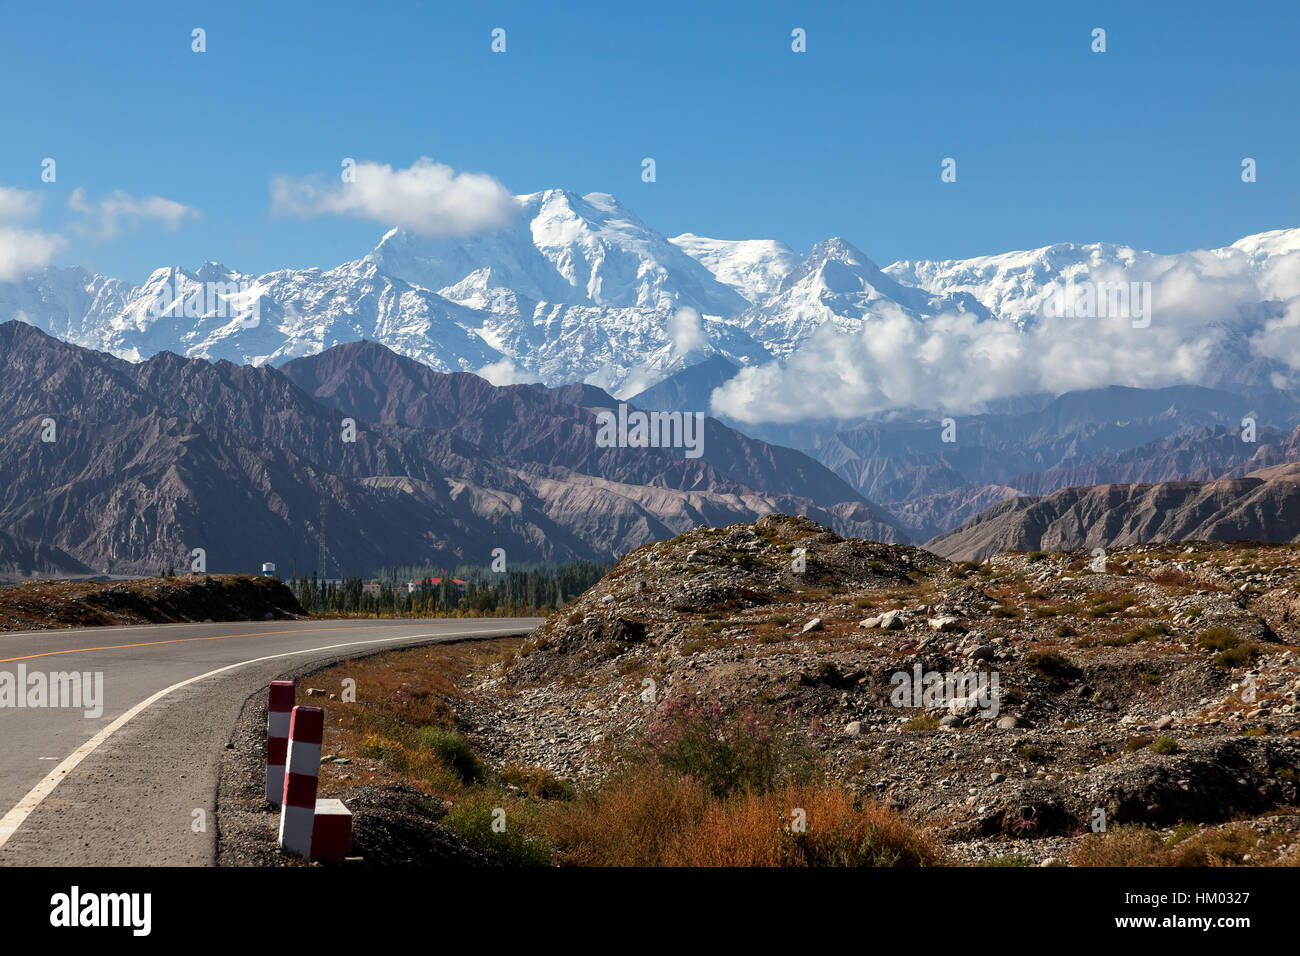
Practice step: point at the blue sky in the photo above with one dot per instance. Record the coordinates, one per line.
(1141, 144)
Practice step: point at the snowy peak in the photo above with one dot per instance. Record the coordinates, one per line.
(614, 259)
(838, 285)
(1268, 245)
(503, 259)
(1014, 285)
(754, 268)
(840, 268)
(563, 249)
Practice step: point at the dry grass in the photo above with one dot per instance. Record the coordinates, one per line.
(1173, 577)
(400, 695)
(656, 819)
(399, 731)
(1139, 846)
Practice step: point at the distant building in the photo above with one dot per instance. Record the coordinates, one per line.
(431, 583)
(268, 570)
(371, 588)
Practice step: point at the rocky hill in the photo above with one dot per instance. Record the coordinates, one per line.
(20, 559)
(1158, 689)
(38, 605)
(1261, 506)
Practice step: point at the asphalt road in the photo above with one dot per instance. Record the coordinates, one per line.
(121, 788)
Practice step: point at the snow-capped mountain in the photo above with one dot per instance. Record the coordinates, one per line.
(837, 285)
(578, 288)
(753, 267)
(297, 313)
(575, 289)
(562, 249)
(1013, 285)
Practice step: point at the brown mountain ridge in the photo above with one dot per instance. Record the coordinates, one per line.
(1263, 505)
(152, 460)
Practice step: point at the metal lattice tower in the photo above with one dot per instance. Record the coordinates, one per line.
(321, 530)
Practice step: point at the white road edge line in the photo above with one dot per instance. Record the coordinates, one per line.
(12, 820)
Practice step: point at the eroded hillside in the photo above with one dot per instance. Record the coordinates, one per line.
(1157, 690)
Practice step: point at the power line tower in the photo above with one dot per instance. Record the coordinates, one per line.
(321, 530)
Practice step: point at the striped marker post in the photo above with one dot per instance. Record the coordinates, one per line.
(298, 814)
(277, 738)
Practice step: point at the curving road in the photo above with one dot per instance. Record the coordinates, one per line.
(121, 787)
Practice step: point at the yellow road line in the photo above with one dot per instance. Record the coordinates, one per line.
(182, 640)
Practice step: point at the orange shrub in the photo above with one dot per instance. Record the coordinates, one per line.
(649, 818)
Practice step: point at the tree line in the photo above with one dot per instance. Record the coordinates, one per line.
(486, 593)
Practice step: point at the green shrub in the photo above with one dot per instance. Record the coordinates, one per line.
(727, 750)
(925, 721)
(1053, 667)
(1032, 753)
(537, 781)
(1218, 639)
(490, 828)
(1166, 745)
(1140, 633)
(1232, 650)
(455, 751)
(1243, 655)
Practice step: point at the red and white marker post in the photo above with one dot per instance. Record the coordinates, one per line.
(302, 769)
(278, 710)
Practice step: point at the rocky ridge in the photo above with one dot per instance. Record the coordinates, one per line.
(1158, 689)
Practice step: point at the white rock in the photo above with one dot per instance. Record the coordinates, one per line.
(964, 705)
(891, 620)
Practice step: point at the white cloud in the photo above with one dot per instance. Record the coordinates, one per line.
(23, 252)
(18, 204)
(686, 332)
(1212, 314)
(107, 218)
(505, 372)
(428, 198)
